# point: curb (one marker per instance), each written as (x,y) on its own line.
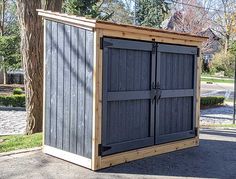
(20,151)
(214,127)
(2,108)
(9,134)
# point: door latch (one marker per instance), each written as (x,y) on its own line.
(158,87)
(155,91)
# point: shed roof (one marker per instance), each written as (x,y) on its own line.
(99,24)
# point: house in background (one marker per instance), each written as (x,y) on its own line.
(13,77)
(178,22)
(211,46)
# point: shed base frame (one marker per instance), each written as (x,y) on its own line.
(76,159)
(124,157)
(128,156)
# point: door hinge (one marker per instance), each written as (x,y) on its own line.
(104,43)
(198,52)
(101,43)
(102,149)
(195,131)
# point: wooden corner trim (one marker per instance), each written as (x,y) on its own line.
(74,158)
(66,19)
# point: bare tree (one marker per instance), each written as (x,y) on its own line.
(189,16)
(224,20)
(32,54)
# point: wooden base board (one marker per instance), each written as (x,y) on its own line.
(76,159)
(147,152)
(124,156)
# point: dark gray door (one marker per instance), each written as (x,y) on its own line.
(128,108)
(176,79)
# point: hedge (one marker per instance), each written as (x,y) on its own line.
(17,91)
(13,100)
(212,100)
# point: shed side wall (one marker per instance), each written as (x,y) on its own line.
(68,88)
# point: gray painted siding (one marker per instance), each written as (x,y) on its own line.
(175,115)
(128,70)
(69,74)
(176,71)
(175,109)
(127,74)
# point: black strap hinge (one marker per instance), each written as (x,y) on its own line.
(104,43)
(101,43)
(198,52)
(102,149)
(196,131)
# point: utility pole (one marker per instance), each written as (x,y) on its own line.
(234,87)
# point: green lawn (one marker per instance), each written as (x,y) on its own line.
(15,142)
(215,80)
(221,125)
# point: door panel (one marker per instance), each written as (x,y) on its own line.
(176,74)
(148,94)
(128,113)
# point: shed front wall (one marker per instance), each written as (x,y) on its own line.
(136,75)
(68,88)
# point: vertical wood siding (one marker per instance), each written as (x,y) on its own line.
(68,103)
(126,122)
(175,113)
(176,71)
(128,70)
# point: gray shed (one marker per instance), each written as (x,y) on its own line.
(115,93)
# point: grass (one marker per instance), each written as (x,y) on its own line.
(15,142)
(220,125)
(215,80)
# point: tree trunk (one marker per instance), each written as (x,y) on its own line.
(53,5)
(227,43)
(32,54)
(4,70)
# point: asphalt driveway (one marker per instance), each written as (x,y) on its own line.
(214,158)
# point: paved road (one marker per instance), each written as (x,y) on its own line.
(14,122)
(214,158)
(217,89)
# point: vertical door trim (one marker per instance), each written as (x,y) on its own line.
(158,80)
(185,134)
(195,60)
(104,92)
(108,149)
(153,83)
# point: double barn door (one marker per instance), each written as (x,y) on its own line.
(148,94)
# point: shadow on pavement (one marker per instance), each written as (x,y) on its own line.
(212,159)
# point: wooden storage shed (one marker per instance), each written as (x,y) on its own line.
(116,93)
